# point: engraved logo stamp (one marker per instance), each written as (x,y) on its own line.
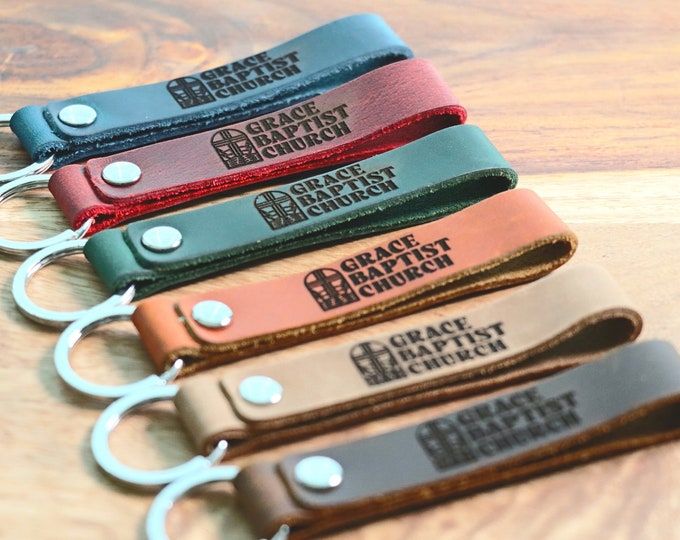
(330,289)
(189,92)
(235,148)
(376,363)
(500,427)
(233,79)
(384,268)
(444,443)
(286,132)
(314,197)
(278,209)
(445,344)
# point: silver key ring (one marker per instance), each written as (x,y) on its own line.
(33,168)
(111,417)
(35,181)
(78,330)
(41,259)
(170,494)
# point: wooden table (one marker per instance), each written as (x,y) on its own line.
(582,97)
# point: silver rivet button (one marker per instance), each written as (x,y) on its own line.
(78,115)
(162,239)
(261,390)
(121,173)
(212,314)
(318,472)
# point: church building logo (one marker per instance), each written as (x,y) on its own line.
(444,444)
(189,92)
(330,289)
(278,209)
(376,363)
(235,148)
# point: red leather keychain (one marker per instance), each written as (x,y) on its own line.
(379,111)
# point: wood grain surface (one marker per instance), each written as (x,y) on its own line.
(583,99)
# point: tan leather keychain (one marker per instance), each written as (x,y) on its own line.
(507,239)
(568,318)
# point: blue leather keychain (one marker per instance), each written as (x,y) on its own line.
(65,131)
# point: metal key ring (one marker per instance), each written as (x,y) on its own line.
(78,330)
(36,181)
(170,494)
(41,259)
(33,168)
(111,417)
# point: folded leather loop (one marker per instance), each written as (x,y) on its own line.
(510,238)
(303,67)
(429,178)
(563,320)
(628,400)
(381,110)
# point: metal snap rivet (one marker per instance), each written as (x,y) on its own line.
(162,239)
(121,173)
(318,472)
(78,115)
(212,314)
(261,390)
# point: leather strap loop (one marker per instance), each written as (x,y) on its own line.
(424,180)
(563,320)
(509,238)
(626,401)
(303,67)
(381,110)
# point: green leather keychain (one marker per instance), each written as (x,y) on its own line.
(421,181)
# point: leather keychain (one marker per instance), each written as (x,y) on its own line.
(423,180)
(566,319)
(379,111)
(66,131)
(624,402)
(507,239)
